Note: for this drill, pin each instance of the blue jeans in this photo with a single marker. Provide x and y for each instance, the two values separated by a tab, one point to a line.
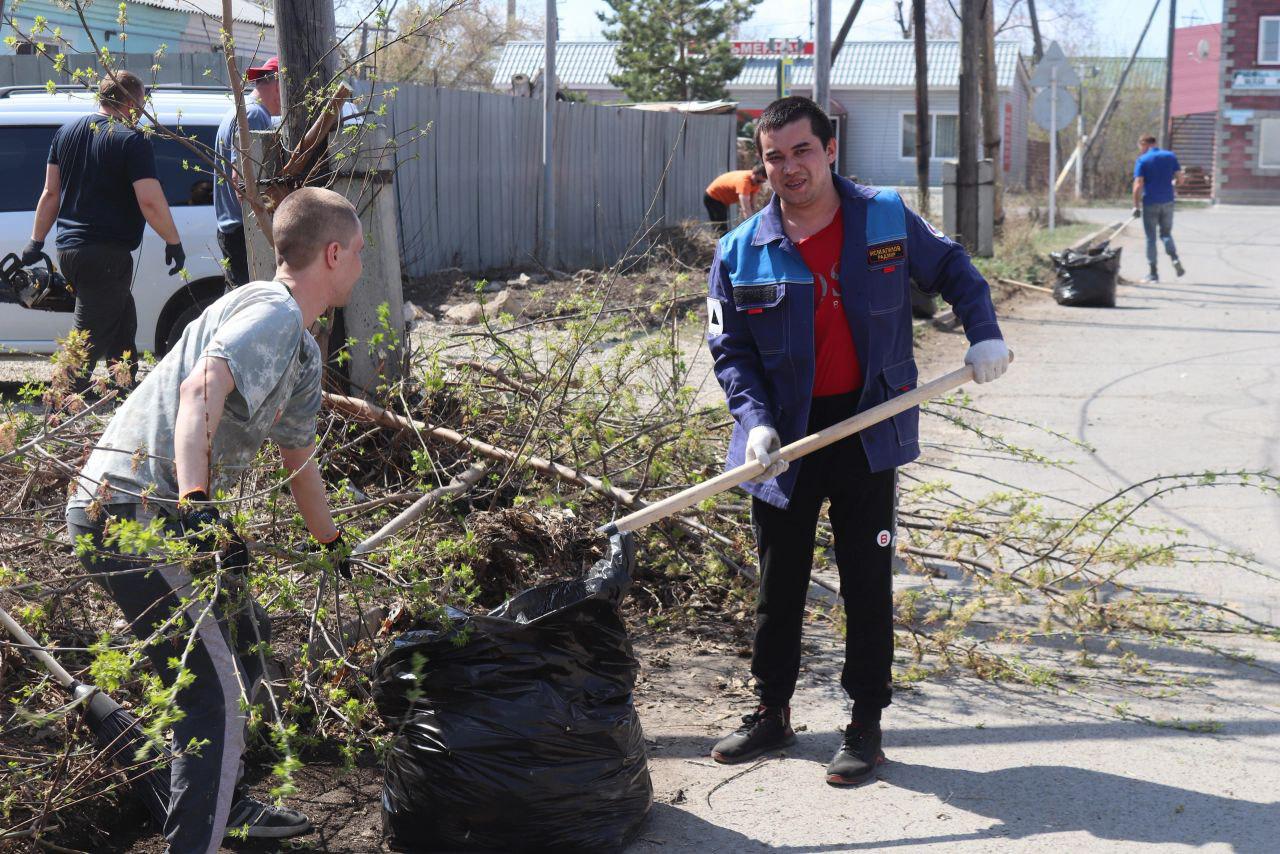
1158	215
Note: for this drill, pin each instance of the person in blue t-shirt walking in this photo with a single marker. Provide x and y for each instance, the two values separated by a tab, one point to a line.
1154	173
226	197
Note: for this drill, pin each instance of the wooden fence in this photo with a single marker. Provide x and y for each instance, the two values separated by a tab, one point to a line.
470	188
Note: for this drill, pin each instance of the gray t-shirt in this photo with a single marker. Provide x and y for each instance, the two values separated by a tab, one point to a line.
258	330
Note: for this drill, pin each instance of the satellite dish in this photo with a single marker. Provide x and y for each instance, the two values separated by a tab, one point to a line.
1202	49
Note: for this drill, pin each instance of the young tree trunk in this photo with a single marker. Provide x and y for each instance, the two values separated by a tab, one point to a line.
992	127
1037	44
924	141
967	169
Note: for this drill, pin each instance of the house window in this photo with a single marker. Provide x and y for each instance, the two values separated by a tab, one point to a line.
1269	39
1269	144
946	136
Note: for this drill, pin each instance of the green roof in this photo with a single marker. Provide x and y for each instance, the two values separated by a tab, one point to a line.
1102	72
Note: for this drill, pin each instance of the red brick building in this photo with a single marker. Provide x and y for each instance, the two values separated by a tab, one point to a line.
1249	128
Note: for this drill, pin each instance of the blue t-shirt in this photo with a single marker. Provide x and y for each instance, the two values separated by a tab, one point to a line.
226	204
1156	169
98	159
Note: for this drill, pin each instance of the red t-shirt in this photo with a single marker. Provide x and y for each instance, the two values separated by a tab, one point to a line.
836	368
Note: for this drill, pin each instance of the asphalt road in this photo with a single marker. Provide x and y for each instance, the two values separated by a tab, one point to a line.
1180	377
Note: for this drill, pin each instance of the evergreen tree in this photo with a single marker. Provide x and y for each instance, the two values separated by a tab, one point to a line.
675	50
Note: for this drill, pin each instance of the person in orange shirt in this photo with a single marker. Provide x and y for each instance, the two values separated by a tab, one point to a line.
740	187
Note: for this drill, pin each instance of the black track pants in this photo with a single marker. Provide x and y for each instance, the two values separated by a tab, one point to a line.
862	515
102	276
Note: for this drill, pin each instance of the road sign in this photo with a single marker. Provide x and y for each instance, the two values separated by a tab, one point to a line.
1042	108
1054	58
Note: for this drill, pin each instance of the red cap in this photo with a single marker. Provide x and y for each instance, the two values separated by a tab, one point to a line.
271	66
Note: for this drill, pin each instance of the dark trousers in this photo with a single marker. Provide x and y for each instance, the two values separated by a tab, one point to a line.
717	212
203	782
102	276
862	515
236	270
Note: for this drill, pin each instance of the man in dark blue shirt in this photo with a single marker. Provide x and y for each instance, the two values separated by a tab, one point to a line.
226	197
1154	173
100	186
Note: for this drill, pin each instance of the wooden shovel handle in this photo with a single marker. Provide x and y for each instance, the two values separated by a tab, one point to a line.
797	449
26	642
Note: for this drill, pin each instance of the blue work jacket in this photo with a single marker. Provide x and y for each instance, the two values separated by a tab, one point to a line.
760	321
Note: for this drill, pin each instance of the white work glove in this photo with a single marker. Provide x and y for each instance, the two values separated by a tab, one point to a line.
763	444
990	359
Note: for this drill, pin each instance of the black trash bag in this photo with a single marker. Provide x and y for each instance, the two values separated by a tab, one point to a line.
515	730
1087	278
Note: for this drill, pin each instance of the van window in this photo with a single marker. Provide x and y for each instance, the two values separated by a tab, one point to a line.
24	151
192	185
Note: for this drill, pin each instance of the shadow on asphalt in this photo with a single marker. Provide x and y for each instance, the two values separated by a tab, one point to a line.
1037	799
667	825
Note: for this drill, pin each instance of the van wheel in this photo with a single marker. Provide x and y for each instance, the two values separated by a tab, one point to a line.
190	312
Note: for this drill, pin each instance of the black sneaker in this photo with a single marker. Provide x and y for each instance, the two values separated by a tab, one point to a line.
858	756
764	729
1177	268
256	820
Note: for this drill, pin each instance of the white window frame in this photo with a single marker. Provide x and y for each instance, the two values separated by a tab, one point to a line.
1274	121
1262	25
933	135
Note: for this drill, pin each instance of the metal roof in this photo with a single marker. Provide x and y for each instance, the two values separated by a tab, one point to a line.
1102	72
860	65
249	11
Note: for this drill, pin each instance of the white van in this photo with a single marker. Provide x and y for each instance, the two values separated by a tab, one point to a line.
28	117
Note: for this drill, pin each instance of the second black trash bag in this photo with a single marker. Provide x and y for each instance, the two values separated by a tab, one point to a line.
1086	279
515	730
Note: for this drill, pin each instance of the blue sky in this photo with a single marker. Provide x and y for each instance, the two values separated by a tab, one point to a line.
1124	20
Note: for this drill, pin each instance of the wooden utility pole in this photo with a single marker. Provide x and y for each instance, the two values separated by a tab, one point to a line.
306	34
924	134
992	127
511	17
1037	44
844	29
1166	120
822	58
967	168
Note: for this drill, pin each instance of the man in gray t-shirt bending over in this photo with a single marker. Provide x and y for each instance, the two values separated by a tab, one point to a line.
245	371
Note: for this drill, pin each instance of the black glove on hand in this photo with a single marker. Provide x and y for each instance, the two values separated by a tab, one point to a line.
209	532
1137	213
33	252
339	554
174	254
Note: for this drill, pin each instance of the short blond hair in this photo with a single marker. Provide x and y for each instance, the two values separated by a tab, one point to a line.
121	90
307	221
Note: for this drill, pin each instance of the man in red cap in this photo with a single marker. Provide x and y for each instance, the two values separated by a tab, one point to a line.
226	195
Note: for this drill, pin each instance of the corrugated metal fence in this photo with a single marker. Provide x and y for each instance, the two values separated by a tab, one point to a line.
192	69
470	188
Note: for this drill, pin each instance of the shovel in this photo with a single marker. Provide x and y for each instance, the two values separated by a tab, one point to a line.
737	476
116	731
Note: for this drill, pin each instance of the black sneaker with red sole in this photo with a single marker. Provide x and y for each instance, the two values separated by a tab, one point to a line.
858	756
763	730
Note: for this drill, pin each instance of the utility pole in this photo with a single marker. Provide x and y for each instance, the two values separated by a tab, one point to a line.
967	168
844	29
924	136
822	58
511	17
1037	43
549	87
1166	121
992	128
306	33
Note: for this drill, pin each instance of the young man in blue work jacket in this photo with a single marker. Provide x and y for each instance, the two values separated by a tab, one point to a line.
809	322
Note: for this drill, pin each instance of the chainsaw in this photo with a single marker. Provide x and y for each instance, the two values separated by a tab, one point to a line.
42	288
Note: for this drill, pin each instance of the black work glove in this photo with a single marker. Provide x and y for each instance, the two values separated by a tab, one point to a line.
209	532
174	254
33	252
339	555
1137	213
